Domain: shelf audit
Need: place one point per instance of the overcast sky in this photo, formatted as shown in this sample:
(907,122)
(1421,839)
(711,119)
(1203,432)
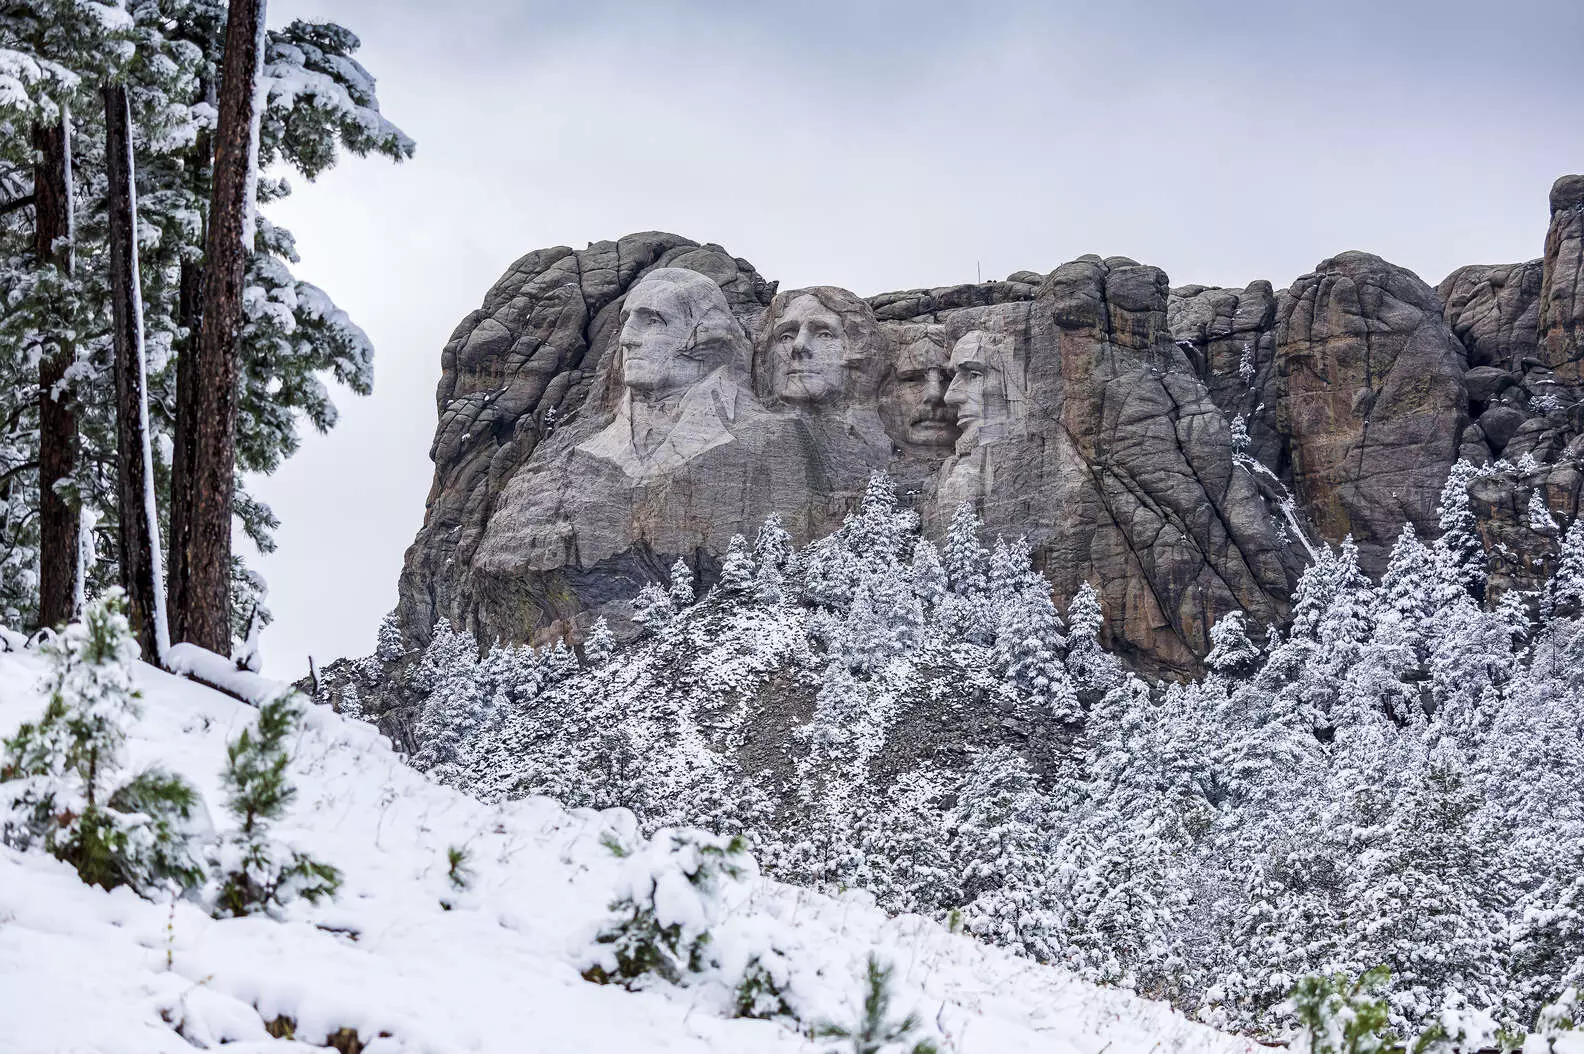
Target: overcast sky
(882,146)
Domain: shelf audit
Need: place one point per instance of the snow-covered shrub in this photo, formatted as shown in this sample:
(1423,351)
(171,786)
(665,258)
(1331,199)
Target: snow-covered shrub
(257,873)
(673,889)
(61,786)
(874,1032)
(1341,1016)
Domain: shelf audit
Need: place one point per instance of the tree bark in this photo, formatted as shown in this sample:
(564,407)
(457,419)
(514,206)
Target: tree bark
(189,308)
(201,603)
(138,535)
(59,520)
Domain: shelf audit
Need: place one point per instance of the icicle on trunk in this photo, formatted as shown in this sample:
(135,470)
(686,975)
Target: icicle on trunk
(58,526)
(138,536)
(201,589)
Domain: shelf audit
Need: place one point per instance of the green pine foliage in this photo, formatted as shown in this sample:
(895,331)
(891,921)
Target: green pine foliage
(1339,1015)
(258,874)
(61,782)
(875,1030)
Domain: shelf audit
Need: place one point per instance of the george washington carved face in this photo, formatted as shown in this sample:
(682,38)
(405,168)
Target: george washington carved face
(676,330)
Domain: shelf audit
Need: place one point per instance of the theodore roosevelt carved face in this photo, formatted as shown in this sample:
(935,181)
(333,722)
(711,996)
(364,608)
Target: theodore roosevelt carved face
(913,395)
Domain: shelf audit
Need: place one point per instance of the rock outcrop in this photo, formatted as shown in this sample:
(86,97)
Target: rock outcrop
(612,409)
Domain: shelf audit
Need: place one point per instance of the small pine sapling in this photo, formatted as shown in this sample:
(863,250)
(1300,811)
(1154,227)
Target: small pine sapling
(259,874)
(761,993)
(874,1032)
(673,890)
(60,785)
(459,875)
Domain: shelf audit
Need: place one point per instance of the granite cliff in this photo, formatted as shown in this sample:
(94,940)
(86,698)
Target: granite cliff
(610,409)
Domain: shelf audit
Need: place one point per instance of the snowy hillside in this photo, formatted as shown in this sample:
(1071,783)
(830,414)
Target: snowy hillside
(86,970)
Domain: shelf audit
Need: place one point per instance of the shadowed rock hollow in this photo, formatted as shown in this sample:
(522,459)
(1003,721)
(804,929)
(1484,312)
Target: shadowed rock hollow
(611,409)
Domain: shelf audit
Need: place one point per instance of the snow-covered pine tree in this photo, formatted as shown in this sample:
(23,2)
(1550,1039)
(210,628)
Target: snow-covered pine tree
(455,701)
(389,647)
(1231,651)
(257,873)
(681,589)
(600,645)
(1458,549)
(1029,643)
(1092,668)
(929,577)
(61,784)
(772,554)
(737,568)
(653,608)
(1563,595)
(966,563)
(1000,852)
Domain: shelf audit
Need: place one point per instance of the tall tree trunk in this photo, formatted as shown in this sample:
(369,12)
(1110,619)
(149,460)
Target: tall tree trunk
(189,309)
(202,600)
(58,519)
(139,524)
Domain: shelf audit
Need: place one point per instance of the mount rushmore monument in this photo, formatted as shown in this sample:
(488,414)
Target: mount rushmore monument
(611,409)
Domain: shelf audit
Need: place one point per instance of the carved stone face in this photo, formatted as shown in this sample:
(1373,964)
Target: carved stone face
(808,353)
(970,363)
(661,347)
(913,400)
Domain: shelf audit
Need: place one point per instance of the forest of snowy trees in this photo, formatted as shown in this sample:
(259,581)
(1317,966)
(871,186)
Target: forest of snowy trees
(1396,780)
(155,346)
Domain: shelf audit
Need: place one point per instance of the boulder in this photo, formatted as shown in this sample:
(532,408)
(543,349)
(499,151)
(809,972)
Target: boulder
(1561,323)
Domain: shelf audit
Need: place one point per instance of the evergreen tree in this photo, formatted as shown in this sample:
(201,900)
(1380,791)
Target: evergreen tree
(1000,845)
(259,874)
(1028,650)
(61,785)
(1231,652)
(653,607)
(737,569)
(1563,596)
(600,645)
(1091,668)
(389,646)
(964,559)
(929,577)
(681,591)
(1458,549)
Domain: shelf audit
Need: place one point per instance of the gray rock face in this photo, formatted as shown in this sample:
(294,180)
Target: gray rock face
(609,410)
(1562,286)
(1495,312)
(1370,398)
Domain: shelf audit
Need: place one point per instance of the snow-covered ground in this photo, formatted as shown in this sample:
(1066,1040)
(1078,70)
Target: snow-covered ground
(85,970)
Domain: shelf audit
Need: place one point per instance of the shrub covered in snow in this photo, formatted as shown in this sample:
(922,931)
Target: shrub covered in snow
(675,887)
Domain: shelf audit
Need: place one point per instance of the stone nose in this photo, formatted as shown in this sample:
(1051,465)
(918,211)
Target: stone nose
(935,386)
(956,391)
(800,345)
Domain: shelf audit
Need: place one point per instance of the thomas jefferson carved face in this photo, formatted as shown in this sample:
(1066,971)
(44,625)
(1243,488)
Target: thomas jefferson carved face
(808,353)
(913,399)
(676,330)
